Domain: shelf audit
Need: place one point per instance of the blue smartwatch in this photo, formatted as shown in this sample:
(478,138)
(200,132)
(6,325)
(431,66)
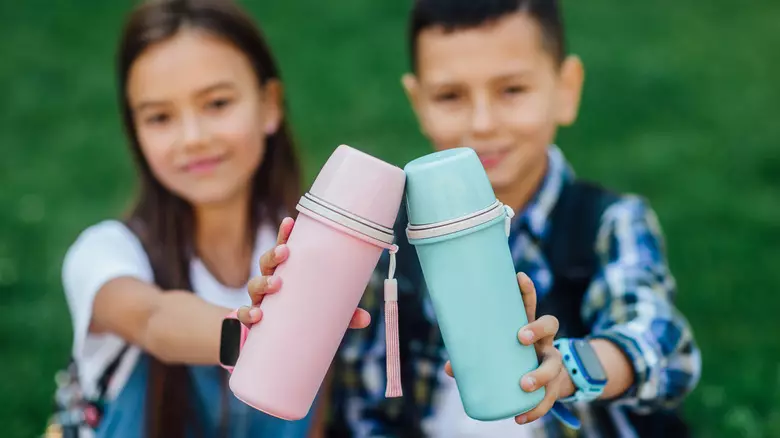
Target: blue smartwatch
(584,367)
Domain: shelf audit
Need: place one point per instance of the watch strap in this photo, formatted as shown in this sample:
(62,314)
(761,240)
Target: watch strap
(565,416)
(232,339)
(584,390)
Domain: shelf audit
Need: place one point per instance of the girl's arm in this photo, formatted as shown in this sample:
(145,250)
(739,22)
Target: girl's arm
(109,286)
(174,326)
(178,326)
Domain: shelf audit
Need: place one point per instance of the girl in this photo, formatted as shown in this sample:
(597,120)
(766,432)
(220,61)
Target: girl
(202,105)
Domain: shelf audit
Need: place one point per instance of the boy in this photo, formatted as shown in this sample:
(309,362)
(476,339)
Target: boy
(495,76)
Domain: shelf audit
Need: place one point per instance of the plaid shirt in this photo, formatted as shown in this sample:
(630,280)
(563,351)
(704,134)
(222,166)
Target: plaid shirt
(629,301)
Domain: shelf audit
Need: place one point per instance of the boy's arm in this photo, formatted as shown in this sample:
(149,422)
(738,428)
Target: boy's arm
(630,310)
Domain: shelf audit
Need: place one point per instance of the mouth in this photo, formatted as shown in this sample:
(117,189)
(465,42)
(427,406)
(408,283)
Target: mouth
(491,159)
(203,165)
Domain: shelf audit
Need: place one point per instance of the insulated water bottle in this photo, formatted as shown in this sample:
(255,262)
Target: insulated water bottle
(460,232)
(345,221)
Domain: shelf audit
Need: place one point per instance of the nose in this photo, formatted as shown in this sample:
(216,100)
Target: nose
(483,121)
(192,132)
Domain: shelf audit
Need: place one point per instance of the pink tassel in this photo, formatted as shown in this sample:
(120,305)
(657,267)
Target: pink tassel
(391,336)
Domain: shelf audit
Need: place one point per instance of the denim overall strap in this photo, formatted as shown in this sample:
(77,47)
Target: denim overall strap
(243,420)
(124,416)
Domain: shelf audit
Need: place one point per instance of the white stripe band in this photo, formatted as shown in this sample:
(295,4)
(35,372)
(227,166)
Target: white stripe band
(343,212)
(428,231)
(346,219)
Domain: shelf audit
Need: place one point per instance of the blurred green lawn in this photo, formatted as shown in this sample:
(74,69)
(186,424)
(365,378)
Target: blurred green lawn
(679,105)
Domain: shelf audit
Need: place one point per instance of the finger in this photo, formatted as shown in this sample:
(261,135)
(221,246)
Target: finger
(272,258)
(550,396)
(528,292)
(448,369)
(284,230)
(544,327)
(249,316)
(551,367)
(360,319)
(258,287)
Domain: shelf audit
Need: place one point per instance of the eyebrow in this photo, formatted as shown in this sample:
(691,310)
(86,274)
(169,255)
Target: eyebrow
(152,103)
(518,74)
(514,75)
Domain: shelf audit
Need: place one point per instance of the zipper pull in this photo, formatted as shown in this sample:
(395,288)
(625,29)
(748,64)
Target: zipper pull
(508,221)
(391,331)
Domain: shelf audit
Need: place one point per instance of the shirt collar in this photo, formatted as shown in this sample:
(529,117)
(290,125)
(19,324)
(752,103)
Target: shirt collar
(535,217)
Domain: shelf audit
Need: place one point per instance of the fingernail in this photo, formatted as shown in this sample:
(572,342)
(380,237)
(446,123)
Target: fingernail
(272,281)
(255,313)
(521,419)
(527,335)
(530,382)
(525,279)
(278,251)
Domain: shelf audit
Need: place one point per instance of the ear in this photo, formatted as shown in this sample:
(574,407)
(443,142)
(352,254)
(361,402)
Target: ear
(571,79)
(412,89)
(272,98)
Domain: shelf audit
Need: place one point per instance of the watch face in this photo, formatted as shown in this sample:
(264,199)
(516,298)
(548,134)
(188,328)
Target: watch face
(589,361)
(230,344)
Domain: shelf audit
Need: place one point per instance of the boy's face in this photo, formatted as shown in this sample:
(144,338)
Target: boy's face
(497,89)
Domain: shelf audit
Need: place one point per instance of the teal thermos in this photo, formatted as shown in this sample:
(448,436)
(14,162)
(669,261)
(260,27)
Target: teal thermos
(460,232)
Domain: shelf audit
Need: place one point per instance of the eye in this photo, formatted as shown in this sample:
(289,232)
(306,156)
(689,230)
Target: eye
(446,96)
(512,90)
(157,119)
(219,103)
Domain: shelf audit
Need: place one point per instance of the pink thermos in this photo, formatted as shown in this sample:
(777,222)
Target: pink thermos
(345,221)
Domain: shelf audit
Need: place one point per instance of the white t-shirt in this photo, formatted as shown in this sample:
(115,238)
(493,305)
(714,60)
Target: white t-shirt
(109,250)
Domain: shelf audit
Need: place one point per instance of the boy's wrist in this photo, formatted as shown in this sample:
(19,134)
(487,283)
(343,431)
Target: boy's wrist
(616,366)
(585,374)
(567,387)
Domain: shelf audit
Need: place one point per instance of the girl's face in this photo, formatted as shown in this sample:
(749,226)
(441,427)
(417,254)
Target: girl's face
(201,116)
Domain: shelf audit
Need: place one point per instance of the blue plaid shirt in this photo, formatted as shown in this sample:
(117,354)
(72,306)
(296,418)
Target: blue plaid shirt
(629,301)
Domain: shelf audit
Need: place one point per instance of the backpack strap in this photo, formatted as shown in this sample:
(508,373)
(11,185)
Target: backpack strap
(569,249)
(108,373)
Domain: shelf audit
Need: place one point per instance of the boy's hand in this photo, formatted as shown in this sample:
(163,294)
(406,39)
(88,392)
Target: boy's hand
(550,373)
(267,283)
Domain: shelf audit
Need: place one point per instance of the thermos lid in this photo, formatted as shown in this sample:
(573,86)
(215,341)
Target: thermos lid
(446,185)
(362,185)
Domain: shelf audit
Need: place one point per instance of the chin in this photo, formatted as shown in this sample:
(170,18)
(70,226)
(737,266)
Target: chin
(208,196)
(500,182)
(516,168)
(502,178)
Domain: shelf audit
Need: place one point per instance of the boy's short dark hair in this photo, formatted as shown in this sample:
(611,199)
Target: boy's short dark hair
(463,14)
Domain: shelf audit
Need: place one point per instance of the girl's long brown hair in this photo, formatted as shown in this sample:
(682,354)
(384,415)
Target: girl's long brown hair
(163,221)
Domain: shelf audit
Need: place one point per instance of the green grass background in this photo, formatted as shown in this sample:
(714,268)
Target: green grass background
(680,105)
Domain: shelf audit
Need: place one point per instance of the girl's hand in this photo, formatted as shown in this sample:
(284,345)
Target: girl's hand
(267,283)
(550,374)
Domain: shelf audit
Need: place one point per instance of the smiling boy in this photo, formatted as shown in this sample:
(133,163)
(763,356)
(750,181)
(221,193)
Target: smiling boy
(496,76)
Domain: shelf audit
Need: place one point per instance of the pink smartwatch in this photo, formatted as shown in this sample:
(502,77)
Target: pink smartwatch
(232,340)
